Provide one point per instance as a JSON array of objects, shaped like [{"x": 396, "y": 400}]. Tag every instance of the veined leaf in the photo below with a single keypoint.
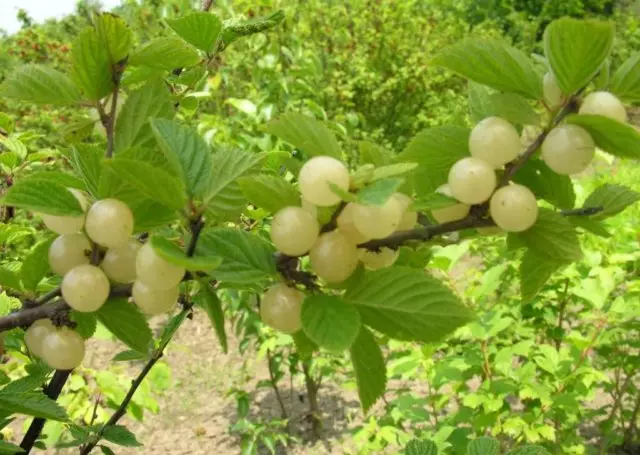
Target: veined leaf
[
  {"x": 165, "y": 53},
  {"x": 369, "y": 367},
  {"x": 91, "y": 66},
  {"x": 420, "y": 447},
  {"x": 7, "y": 447},
  {"x": 371, "y": 153},
  {"x": 269, "y": 192},
  {"x": 625, "y": 83},
  {"x": 535, "y": 270},
  {"x": 235, "y": 31},
  {"x": 305, "y": 133},
  {"x": 119, "y": 434},
  {"x": 42, "y": 196},
  {"x": 35, "y": 404},
  {"x": 125, "y": 321},
  {"x": 330, "y": 322},
  {"x": 85, "y": 160},
  {"x": 553, "y": 237},
  {"x": 172, "y": 253},
  {"x": 612, "y": 198},
  {"x": 9, "y": 279},
  {"x": 509, "y": 106},
  {"x": 198, "y": 28},
  {"x": 40, "y": 84},
  {"x": 545, "y": 184},
  {"x": 114, "y": 34},
  {"x": 616, "y": 138},
  {"x": 208, "y": 300},
  {"x": 379, "y": 191},
  {"x": 484, "y": 446}
]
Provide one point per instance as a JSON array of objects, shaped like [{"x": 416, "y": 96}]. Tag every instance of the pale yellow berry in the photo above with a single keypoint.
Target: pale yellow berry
[
  {"x": 119, "y": 264},
  {"x": 333, "y": 257},
  {"x": 409, "y": 218},
  {"x": 156, "y": 272},
  {"x": 309, "y": 207},
  {"x": 514, "y": 208},
  {"x": 605, "y": 104},
  {"x": 378, "y": 221},
  {"x": 494, "y": 141},
  {"x": 154, "y": 301},
  {"x": 68, "y": 251},
  {"x": 109, "y": 223},
  {"x": 63, "y": 349},
  {"x": 451, "y": 213},
  {"x": 280, "y": 308},
  {"x": 568, "y": 149},
  {"x": 347, "y": 227},
  {"x": 294, "y": 230},
  {"x": 85, "y": 288},
  {"x": 36, "y": 333},
  {"x": 66, "y": 224},
  {"x": 315, "y": 176},
  {"x": 374, "y": 260},
  {"x": 552, "y": 92},
  {"x": 472, "y": 181}
]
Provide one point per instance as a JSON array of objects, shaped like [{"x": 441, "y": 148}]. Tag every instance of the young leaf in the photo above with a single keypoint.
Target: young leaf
[
  {"x": 576, "y": 50},
  {"x": 330, "y": 322},
  {"x": 34, "y": 404},
  {"x": 613, "y": 137},
  {"x": 535, "y": 270},
  {"x": 269, "y": 192},
  {"x": 165, "y": 53},
  {"x": 625, "y": 83},
  {"x": 369, "y": 367},
  {"x": 553, "y": 237},
  {"x": 153, "y": 182},
  {"x": 85, "y": 160},
  {"x": 42, "y": 196},
  {"x": 432, "y": 202},
  {"x": 484, "y": 446},
  {"x": 119, "y": 434},
  {"x": 186, "y": 150},
  {"x": 125, "y": 322},
  {"x": 493, "y": 63},
  {"x": 407, "y": 304},
  {"x": 86, "y": 323},
  {"x": 9, "y": 279},
  {"x": 91, "y": 66},
  {"x": 305, "y": 133},
  {"x": 198, "y": 28},
  {"x": 545, "y": 184},
  {"x": 378, "y": 192},
  {"x": 435, "y": 150},
  {"x": 114, "y": 35},
  {"x": 420, "y": 447},
  {"x": 208, "y": 300},
  {"x": 40, "y": 84},
  {"x": 344, "y": 195},
  {"x": 172, "y": 253},
  {"x": 393, "y": 170},
  {"x": 371, "y": 153},
  {"x": 36, "y": 265},
  {"x": 234, "y": 31},
  {"x": 246, "y": 258},
  {"x": 612, "y": 198},
  {"x": 152, "y": 100}
]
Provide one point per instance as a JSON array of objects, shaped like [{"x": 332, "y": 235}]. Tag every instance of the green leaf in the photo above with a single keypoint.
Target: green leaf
[
  {"x": 530, "y": 450},
  {"x": 165, "y": 53},
  {"x": 435, "y": 150},
  {"x": 40, "y": 84},
  {"x": 235, "y": 31},
  {"x": 330, "y": 322},
  {"x": 553, "y": 237},
  {"x": 42, "y": 196},
  {"x": 393, "y": 170},
  {"x": 378, "y": 192},
  {"x": 34, "y": 404},
  {"x": 106, "y": 450},
  {"x": 545, "y": 184},
  {"x": 431, "y": 202},
  {"x": 119, "y": 434},
  {"x": 125, "y": 322},
  {"x": 91, "y": 66},
  {"x": 509, "y": 106},
  {"x": 224, "y": 198},
  {"x": 535, "y": 270},
  {"x": 269, "y": 192},
  {"x": 36, "y": 265},
  {"x": 62, "y": 178},
  {"x": 186, "y": 150},
  {"x": 484, "y": 446},
  {"x": 85, "y": 160},
  {"x": 26, "y": 383},
  {"x": 9, "y": 279},
  {"x": 305, "y": 133},
  {"x": 7, "y": 447},
  {"x": 576, "y": 50},
  {"x": 492, "y": 63},
  {"x": 172, "y": 253},
  {"x": 86, "y": 323},
  {"x": 589, "y": 224},
  {"x": 420, "y": 447},
  {"x": 153, "y": 182},
  {"x": 114, "y": 35},
  {"x": 128, "y": 355},
  {"x": 304, "y": 346},
  {"x": 371, "y": 153},
  {"x": 612, "y": 198},
  {"x": 407, "y": 304},
  {"x": 152, "y": 100},
  {"x": 208, "y": 300},
  {"x": 369, "y": 367},
  {"x": 246, "y": 258},
  {"x": 619, "y": 139},
  {"x": 344, "y": 195},
  {"x": 625, "y": 83},
  {"x": 198, "y": 28}
]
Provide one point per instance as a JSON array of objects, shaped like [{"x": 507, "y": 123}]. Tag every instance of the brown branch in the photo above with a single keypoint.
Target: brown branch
[{"x": 206, "y": 5}]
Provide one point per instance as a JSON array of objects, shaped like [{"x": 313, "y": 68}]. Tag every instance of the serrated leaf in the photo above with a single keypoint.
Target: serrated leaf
[
  {"x": 85, "y": 160},
  {"x": 553, "y": 237},
  {"x": 114, "y": 35},
  {"x": 36, "y": 265},
  {"x": 393, "y": 170},
  {"x": 378, "y": 192},
  {"x": 152, "y": 100},
  {"x": 7, "y": 447},
  {"x": 43, "y": 197},
  {"x": 62, "y": 178},
  {"x": 106, "y": 450},
  {"x": 330, "y": 322},
  {"x": 435, "y": 150},
  {"x": 91, "y": 66},
  {"x": 311, "y": 136},
  {"x": 369, "y": 367},
  {"x": 172, "y": 253},
  {"x": 119, "y": 434},
  {"x": 85, "y": 323},
  {"x": 509, "y": 106},
  {"x": 545, "y": 184},
  {"x": 420, "y": 447},
  {"x": 269, "y": 192},
  {"x": 612, "y": 198},
  {"x": 234, "y": 31},
  {"x": 246, "y": 258},
  {"x": 535, "y": 270},
  {"x": 576, "y": 50},
  {"x": 208, "y": 300},
  {"x": 492, "y": 63},
  {"x": 432, "y": 202},
  {"x": 125, "y": 321},
  {"x": 26, "y": 384},
  {"x": 165, "y": 53},
  {"x": 198, "y": 28},
  {"x": 304, "y": 346},
  {"x": 153, "y": 182},
  {"x": 34, "y": 404},
  {"x": 371, "y": 153},
  {"x": 530, "y": 450},
  {"x": 483, "y": 446},
  {"x": 126, "y": 356},
  {"x": 625, "y": 83},
  {"x": 588, "y": 224},
  {"x": 619, "y": 139},
  {"x": 186, "y": 150},
  {"x": 9, "y": 279},
  {"x": 407, "y": 304},
  {"x": 40, "y": 84}
]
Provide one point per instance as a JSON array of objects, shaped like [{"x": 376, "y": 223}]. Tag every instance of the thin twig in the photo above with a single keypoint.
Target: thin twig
[
  {"x": 563, "y": 304},
  {"x": 274, "y": 385}
]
